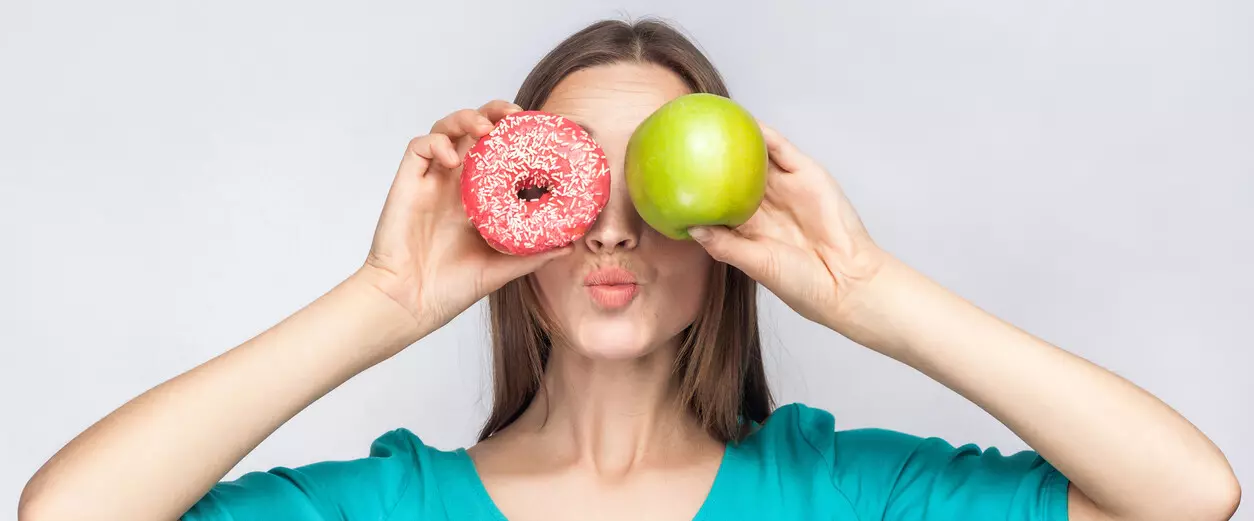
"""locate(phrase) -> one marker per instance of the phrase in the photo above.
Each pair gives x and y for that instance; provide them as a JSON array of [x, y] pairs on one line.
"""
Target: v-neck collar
[[463, 473]]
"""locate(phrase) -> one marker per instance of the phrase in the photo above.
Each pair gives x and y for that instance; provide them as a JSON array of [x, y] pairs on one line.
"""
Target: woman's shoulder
[[810, 433], [401, 455], [400, 442], [396, 476], [804, 441], [881, 470], [801, 425]]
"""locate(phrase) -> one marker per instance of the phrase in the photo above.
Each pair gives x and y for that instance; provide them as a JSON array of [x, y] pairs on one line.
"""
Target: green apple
[[698, 160]]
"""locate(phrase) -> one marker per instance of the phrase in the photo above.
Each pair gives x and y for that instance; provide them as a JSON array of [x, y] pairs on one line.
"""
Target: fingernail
[[698, 233]]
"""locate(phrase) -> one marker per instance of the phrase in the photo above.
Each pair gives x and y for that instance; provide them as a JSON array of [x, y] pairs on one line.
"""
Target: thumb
[[509, 267], [725, 245]]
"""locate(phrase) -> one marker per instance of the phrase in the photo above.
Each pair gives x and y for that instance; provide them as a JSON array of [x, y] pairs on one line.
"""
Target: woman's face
[[626, 289]]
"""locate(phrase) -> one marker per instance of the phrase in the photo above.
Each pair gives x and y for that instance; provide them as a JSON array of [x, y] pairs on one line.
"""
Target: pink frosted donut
[[534, 183]]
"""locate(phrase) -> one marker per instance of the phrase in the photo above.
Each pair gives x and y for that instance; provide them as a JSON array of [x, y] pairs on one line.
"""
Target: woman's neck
[[611, 415]]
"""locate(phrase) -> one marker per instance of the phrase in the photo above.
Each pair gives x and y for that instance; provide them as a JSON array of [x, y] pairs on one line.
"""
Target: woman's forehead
[[611, 100]]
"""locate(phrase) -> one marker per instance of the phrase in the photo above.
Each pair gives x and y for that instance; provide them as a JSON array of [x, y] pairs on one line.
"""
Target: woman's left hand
[[805, 243]]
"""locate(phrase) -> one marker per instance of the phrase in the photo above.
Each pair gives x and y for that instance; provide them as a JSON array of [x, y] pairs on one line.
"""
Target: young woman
[[648, 402]]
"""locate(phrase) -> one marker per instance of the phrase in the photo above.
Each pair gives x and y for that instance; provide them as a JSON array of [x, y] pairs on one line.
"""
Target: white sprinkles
[[534, 149]]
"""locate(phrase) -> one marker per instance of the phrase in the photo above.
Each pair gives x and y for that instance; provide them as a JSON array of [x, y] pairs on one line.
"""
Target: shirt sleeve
[[897, 477], [366, 488]]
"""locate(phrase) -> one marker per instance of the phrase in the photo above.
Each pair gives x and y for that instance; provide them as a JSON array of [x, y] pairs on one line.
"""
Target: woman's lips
[[613, 296], [611, 287]]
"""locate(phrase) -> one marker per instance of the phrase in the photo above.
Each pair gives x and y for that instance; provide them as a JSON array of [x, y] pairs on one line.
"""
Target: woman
[[654, 406]]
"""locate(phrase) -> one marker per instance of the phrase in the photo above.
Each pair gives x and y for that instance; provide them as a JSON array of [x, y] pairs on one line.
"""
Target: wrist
[[387, 326], [906, 315], [880, 311]]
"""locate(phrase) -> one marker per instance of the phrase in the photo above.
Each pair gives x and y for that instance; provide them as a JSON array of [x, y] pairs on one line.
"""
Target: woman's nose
[[618, 226]]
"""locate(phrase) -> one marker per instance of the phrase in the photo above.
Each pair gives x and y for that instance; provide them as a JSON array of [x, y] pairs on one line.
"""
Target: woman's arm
[[1128, 455], [157, 455]]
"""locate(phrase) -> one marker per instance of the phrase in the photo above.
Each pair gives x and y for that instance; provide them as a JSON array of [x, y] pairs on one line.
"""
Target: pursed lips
[[611, 287]]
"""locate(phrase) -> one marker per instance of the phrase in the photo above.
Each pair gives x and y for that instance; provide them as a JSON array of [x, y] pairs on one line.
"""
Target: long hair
[[722, 380]]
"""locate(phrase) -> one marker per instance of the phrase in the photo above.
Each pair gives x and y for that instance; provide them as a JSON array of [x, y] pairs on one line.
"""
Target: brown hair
[[719, 364]]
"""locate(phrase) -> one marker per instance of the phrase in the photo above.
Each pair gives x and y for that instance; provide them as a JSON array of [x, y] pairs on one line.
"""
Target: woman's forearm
[[1129, 453], [159, 453]]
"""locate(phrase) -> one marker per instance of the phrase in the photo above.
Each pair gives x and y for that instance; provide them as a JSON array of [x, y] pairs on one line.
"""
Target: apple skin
[[698, 160]]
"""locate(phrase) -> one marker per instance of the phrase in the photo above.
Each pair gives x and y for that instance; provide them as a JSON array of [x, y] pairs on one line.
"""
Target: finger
[[725, 245], [425, 149], [496, 109], [444, 149], [781, 151], [465, 122], [510, 267]]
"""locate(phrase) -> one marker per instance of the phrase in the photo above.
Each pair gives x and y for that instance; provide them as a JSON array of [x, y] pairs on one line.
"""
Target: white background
[[178, 176]]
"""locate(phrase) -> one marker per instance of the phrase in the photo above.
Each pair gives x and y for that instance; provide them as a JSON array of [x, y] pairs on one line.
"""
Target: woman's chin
[[613, 341]]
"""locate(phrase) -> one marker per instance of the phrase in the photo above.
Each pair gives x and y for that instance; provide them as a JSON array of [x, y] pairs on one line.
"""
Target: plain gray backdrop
[[178, 176]]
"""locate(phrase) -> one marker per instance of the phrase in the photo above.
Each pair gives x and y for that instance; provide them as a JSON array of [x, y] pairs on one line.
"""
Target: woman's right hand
[[426, 256]]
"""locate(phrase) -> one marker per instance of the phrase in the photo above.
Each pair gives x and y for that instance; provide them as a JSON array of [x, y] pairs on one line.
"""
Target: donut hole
[[533, 193], [533, 187]]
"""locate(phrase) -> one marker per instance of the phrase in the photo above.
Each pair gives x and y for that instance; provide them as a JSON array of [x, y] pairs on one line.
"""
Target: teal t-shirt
[[795, 466]]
